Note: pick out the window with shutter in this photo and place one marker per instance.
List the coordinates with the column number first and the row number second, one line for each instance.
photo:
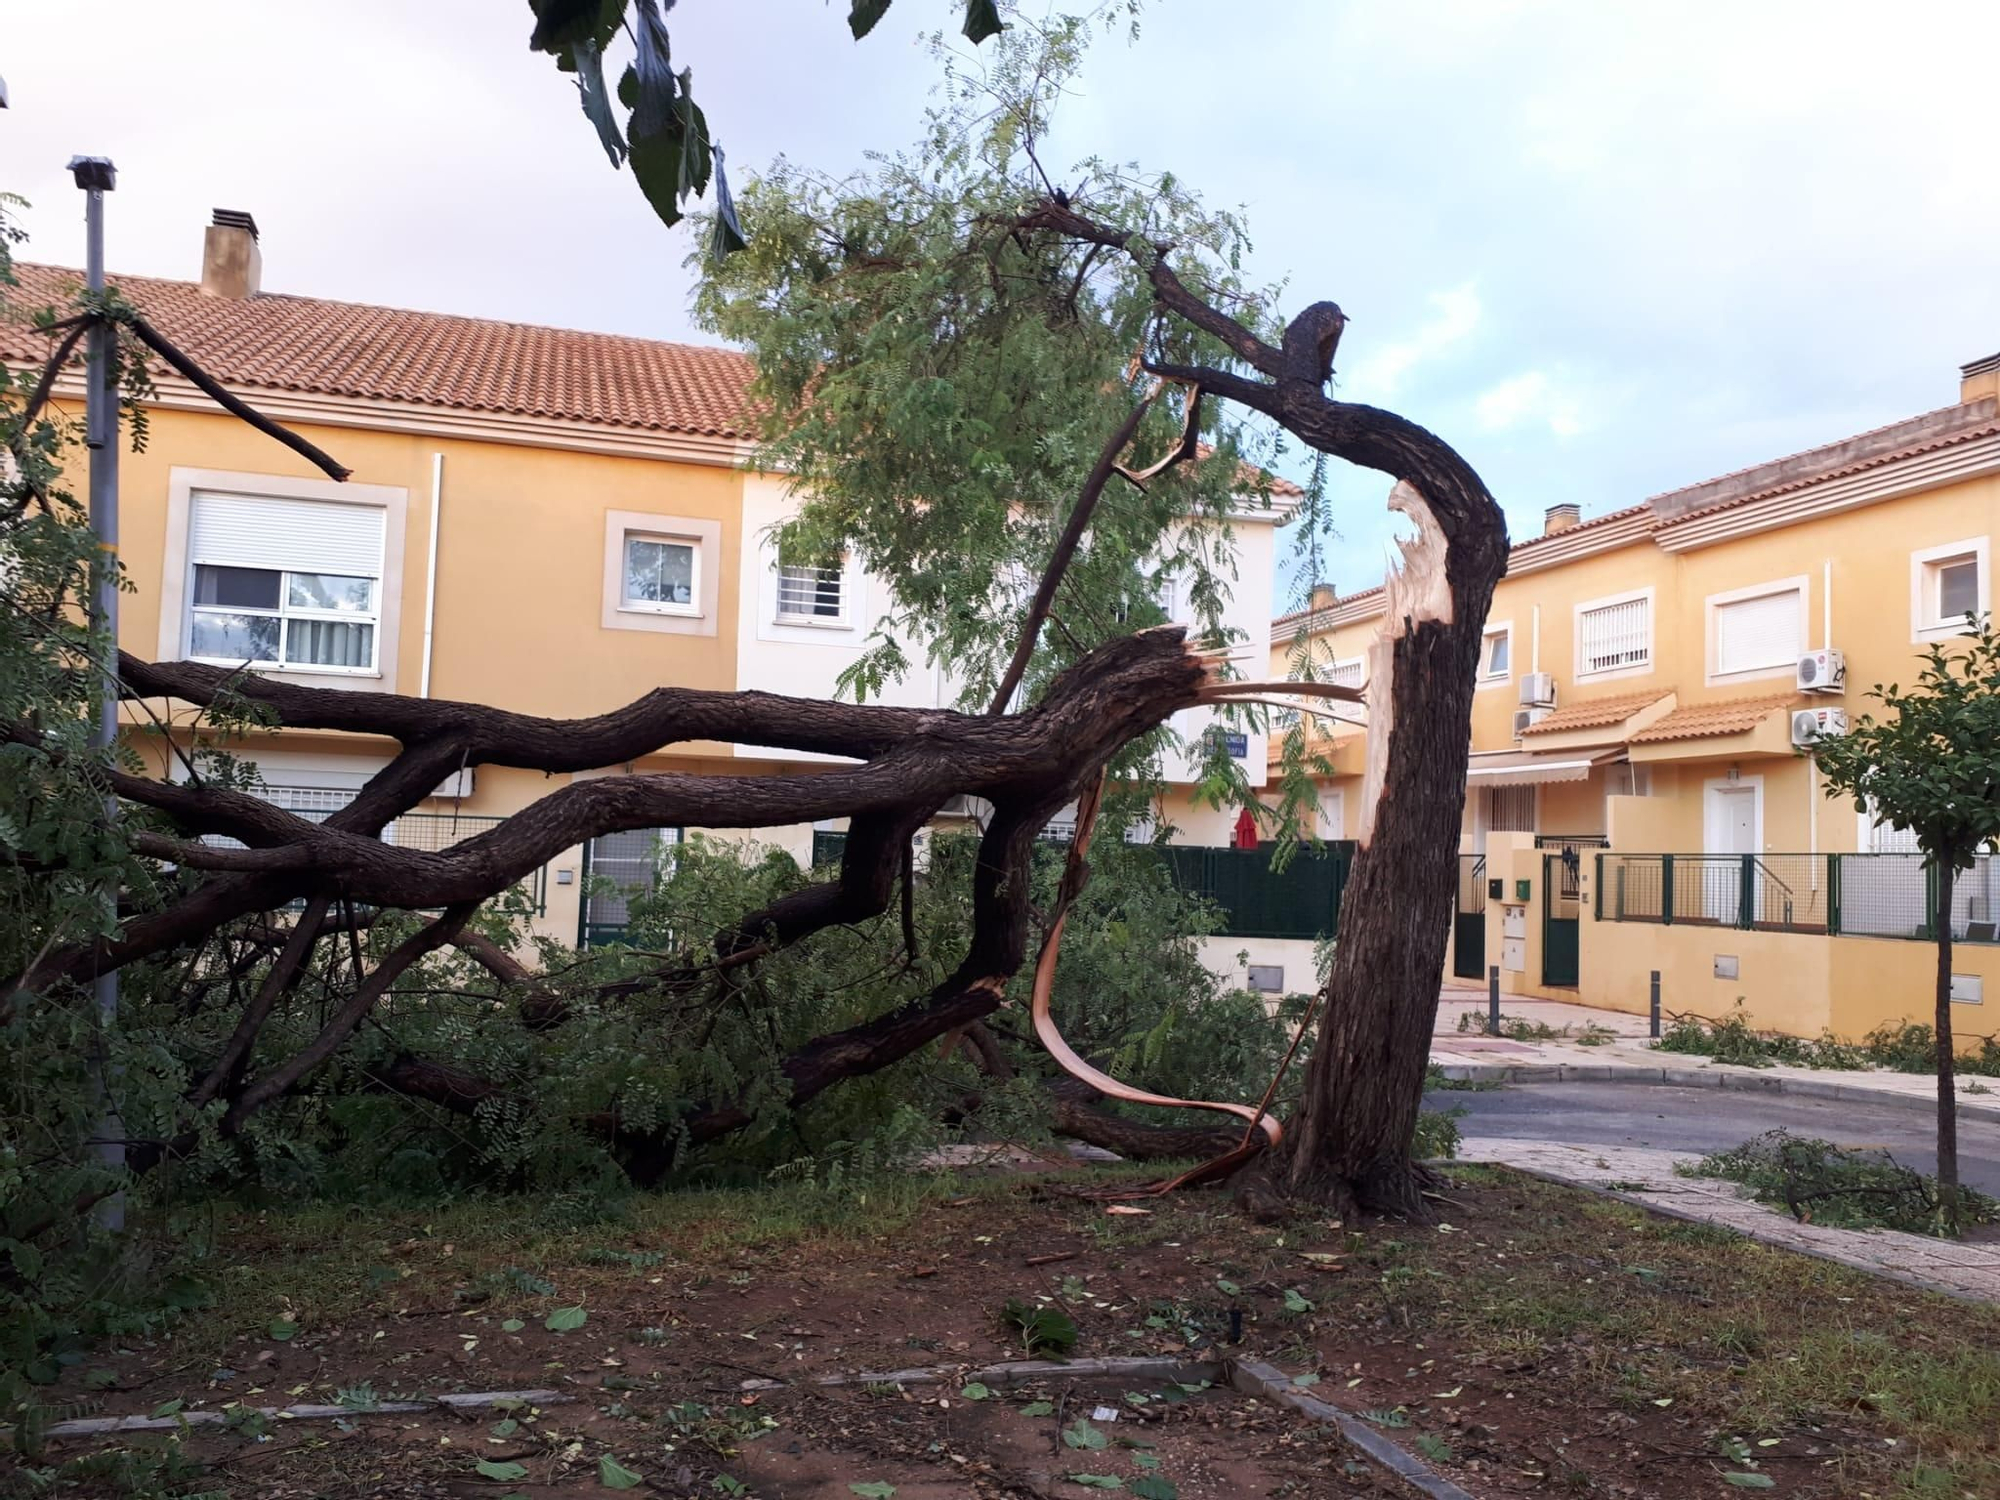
column 284, row 583
column 1756, row 632
column 1615, row 635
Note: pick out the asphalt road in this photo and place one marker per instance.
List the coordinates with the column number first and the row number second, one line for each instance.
column 1702, row 1120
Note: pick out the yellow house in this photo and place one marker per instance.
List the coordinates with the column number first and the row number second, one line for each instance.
column 1647, row 679
column 552, row 521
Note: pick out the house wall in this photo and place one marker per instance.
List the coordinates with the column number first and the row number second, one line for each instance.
column 1857, row 571
column 520, row 560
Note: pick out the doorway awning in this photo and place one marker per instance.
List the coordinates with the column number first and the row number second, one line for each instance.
column 1525, row 768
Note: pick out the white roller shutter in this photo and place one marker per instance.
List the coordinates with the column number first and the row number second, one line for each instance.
column 299, row 536
column 1751, row 634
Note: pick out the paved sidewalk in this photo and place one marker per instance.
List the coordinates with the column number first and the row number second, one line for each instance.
column 1646, row 1178
column 1629, row 1057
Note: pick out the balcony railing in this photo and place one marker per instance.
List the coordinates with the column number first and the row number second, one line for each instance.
column 1842, row 895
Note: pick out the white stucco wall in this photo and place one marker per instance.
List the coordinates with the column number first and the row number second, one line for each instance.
column 805, row 660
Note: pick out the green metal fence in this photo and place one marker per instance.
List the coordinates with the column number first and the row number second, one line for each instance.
column 1300, row 901
column 1840, row 895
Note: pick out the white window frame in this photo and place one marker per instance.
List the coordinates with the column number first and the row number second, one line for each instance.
column 1630, row 669
column 284, row 612
column 177, row 566
column 1715, row 603
column 1490, row 679
column 1925, row 625
column 695, row 618
column 1337, row 671
column 850, row 595
column 628, row 604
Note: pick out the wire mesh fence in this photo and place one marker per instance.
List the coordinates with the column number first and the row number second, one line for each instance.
column 1847, row 895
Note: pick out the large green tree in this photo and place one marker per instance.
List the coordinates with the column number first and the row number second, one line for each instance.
column 1930, row 762
column 942, row 340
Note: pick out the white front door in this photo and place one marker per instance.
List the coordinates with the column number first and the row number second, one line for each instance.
column 1731, row 818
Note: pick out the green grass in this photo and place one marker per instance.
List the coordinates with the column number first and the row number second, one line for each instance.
column 1748, row 1339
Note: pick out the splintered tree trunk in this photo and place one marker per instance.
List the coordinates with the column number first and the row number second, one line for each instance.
column 1350, row 1144
column 1947, row 1103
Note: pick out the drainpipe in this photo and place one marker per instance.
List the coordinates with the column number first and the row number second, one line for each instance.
column 1535, row 646
column 431, row 571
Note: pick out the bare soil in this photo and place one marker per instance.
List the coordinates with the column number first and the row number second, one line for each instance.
column 1532, row 1341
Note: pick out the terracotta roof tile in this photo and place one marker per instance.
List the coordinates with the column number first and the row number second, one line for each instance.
column 1932, row 442
column 1593, row 713
column 278, row 342
column 1700, row 720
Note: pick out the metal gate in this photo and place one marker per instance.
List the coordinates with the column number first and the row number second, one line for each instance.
column 1468, row 925
column 1562, row 884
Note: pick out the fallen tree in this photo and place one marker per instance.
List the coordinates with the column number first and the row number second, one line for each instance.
column 1101, row 684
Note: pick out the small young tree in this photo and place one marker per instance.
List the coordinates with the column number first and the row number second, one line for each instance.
column 1931, row 764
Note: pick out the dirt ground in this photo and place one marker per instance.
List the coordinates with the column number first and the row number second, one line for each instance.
column 1531, row 1341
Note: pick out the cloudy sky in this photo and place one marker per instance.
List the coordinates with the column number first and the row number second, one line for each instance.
column 1605, row 249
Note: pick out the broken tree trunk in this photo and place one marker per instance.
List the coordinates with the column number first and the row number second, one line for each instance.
column 1351, row 1142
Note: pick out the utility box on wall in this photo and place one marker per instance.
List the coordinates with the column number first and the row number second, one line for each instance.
column 1514, row 938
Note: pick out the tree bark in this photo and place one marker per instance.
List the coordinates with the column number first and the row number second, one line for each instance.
column 1947, row 1060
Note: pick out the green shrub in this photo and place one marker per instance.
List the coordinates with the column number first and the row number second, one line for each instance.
column 1821, row 1183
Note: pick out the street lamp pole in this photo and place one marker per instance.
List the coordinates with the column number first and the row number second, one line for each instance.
column 96, row 176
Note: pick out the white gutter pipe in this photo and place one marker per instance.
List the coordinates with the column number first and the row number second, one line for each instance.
column 431, row 571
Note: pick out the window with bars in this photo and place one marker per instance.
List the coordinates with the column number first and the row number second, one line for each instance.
column 284, row 584
column 1756, row 632
column 1510, row 809
column 812, row 592
column 1614, row 635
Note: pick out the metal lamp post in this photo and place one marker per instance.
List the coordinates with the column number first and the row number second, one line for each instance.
column 96, row 176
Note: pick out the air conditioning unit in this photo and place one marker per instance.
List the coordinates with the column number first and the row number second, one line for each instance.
column 959, row 806
column 1822, row 672
column 1538, row 690
column 1523, row 717
column 1811, row 725
column 456, row 786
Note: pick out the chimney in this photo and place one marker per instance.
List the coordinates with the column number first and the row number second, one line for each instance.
column 231, row 264
column 1980, row 378
column 1561, row 517
column 1320, row 597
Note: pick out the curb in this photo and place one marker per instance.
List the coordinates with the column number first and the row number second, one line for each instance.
column 92, row 1426
column 1706, row 1078
column 1653, row 1205
column 1247, row 1377
column 1254, row 1378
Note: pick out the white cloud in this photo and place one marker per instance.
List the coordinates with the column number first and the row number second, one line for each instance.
column 1380, row 372
column 1528, row 397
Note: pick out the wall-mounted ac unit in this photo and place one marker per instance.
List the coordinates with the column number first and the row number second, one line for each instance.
column 956, row 807
column 455, row 786
column 1822, row 672
column 1538, row 690
column 1811, row 725
column 1523, row 717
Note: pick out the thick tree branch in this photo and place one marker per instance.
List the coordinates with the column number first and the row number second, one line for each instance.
column 1065, row 549
column 1172, row 292
column 153, row 339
